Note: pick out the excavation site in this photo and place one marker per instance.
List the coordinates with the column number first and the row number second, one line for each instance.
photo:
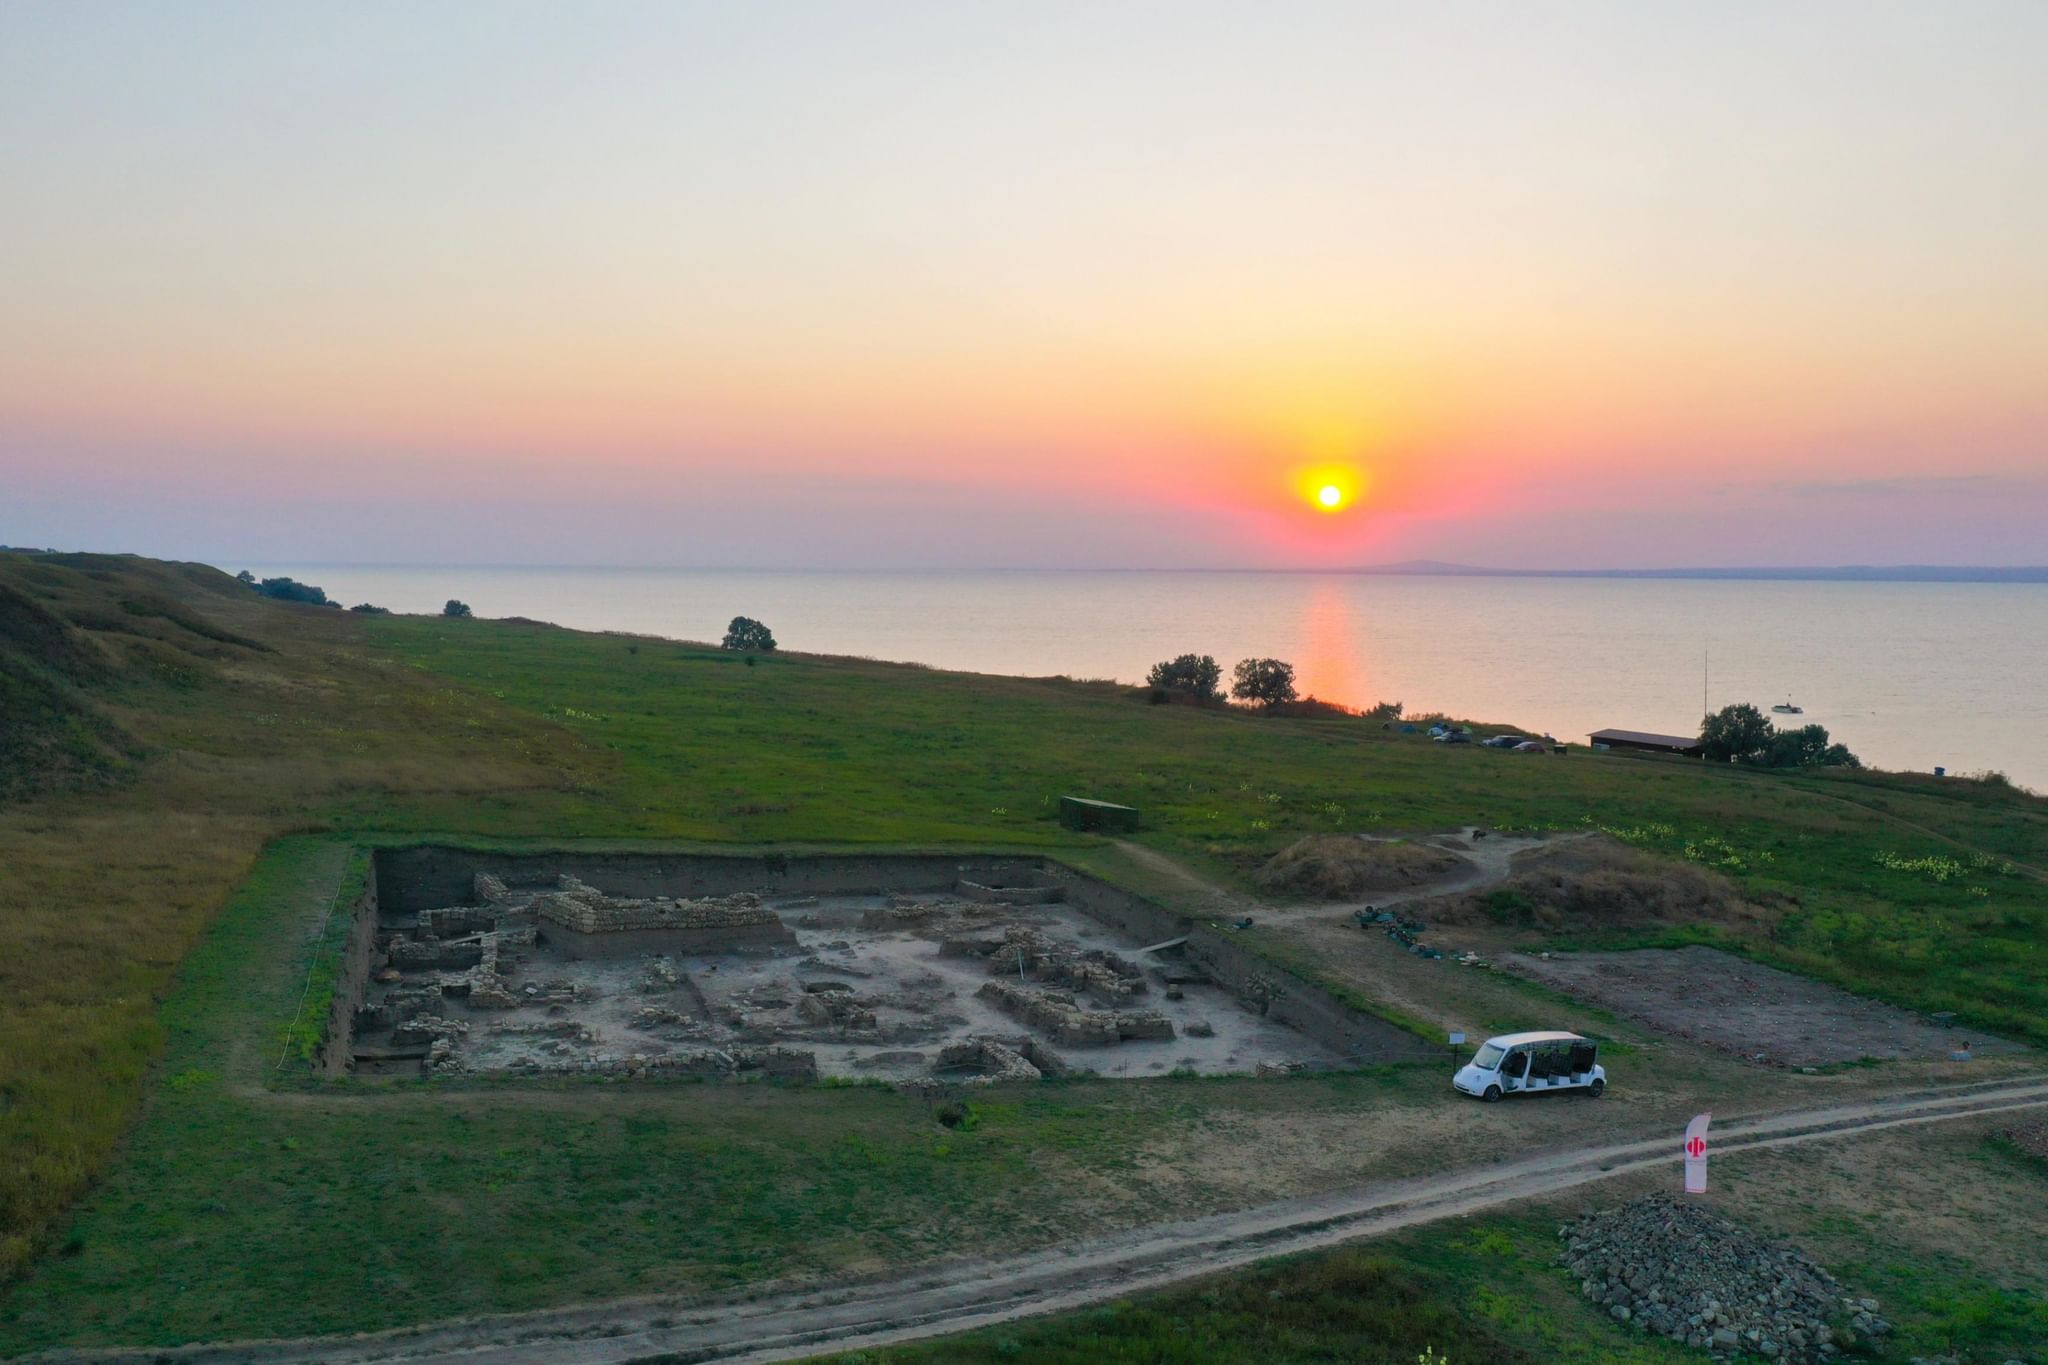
column 904, row 969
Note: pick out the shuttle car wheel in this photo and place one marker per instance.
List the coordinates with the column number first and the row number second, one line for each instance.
column 1596, row 1087
column 1492, row 1094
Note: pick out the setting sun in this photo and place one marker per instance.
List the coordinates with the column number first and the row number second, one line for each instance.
column 1329, row 487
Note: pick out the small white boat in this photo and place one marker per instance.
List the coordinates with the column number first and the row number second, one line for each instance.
column 1786, row 708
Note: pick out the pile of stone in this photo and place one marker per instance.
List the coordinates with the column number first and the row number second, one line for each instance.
column 1065, row 1021
column 1097, row 972
column 839, row 1008
column 426, row 1028
column 908, row 912
column 1679, row 1270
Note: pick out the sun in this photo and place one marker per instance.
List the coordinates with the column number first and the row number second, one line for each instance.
column 1329, row 488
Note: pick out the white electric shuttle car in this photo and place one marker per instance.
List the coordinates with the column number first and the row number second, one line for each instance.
column 1519, row 1063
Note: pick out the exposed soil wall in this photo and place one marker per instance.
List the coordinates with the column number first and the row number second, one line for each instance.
column 349, row 982
column 646, row 942
column 414, row 879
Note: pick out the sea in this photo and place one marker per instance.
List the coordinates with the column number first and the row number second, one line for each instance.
column 1908, row 675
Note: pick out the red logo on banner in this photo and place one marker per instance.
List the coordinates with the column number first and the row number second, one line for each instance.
column 1696, row 1147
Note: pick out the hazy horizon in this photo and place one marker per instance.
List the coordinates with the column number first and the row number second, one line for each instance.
column 1128, row 286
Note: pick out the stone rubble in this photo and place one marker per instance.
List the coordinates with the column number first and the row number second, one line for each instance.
column 1059, row 1015
column 1031, row 955
column 1678, row 1269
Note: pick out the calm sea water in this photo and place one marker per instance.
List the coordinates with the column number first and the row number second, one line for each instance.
column 1909, row 675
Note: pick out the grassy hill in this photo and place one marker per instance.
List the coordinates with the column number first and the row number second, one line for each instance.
column 166, row 726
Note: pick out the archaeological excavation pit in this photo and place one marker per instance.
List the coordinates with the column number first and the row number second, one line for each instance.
column 898, row 968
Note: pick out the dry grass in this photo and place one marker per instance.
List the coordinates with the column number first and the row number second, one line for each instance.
column 1599, row 885
column 109, row 881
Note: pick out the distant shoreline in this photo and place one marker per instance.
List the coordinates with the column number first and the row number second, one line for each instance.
column 1848, row 573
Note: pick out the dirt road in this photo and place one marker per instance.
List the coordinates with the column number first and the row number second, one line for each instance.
column 959, row 1296
column 1484, row 861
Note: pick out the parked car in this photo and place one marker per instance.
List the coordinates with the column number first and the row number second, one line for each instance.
column 1516, row 1063
column 1502, row 741
column 1453, row 737
column 1529, row 746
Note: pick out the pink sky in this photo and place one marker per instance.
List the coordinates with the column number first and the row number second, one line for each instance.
column 1033, row 285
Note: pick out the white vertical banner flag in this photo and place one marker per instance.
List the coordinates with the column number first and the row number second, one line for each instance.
column 1696, row 1154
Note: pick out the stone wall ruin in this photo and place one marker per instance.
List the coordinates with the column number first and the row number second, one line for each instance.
column 922, row 970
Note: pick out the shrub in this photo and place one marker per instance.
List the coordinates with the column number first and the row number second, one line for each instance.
column 366, row 609
column 745, row 633
column 1263, row 682
column 291, row 590
column 1807, row 747
column 1508, row 906
column 455, row 608
column 1198, row 675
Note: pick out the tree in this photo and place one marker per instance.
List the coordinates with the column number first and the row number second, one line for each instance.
column 246, row 577
column 1265, row 682
column 291, row 590
column 1739, row 732
column 455, row 608
column 745, row 633
column 1199, row 675
column 1807, row 747
column 366, row 609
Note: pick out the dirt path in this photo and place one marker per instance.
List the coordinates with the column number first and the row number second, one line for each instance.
column 1489, row 858
column 960, row 1296
column 1486, row 859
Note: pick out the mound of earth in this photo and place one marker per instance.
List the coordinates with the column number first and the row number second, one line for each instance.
column 1678, row 1270
column 1338, row 866
column 1599, row 883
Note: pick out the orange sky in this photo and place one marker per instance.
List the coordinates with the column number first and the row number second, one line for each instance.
column 1555, row 293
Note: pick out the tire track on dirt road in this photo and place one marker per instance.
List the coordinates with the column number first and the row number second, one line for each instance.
column 961, row 1296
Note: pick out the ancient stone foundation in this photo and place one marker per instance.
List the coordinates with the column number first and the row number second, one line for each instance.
column 1055, row 1013
column 917, row 970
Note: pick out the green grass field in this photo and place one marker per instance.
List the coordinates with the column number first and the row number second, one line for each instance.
column 1483, row 1292
column 203, row 801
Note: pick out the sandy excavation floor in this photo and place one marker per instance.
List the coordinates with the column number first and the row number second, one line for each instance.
column 1745, row 1008
column 878, row 986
